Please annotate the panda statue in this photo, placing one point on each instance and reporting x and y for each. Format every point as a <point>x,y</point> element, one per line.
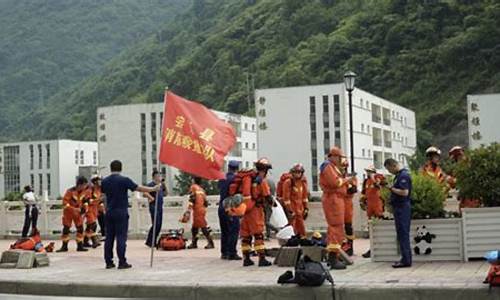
<point>423,241</point>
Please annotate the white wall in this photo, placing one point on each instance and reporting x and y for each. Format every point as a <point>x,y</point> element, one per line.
<point>488,109</point>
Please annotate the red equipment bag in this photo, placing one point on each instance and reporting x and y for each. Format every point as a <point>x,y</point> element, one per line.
<point>173,240</point>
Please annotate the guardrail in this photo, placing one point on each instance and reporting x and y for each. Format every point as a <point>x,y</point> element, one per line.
<point>49,220</point>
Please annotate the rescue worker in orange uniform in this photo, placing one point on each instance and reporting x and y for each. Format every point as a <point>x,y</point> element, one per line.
<point>370,196</point>
<point>295,199</point>
<point>334,187</point>
<point>198,205</point>
<point>255,191</point>
<point>352,189</point>
<point>432,168</point>
<point>91,212</point>
<point>457,154</point>
<point>32,243</point>
<point>73,212</point>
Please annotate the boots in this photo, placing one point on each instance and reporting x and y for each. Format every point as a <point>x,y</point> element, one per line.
<point>263,262</point>
<point>80,248</point>
<point>64,247</point>
<point>194,243</point>
<point>350,239</point>
<point>206,233</point>
<point>334,262</point>
<point>247,261</point>
<point>86,243</point>
<point>95,242</point>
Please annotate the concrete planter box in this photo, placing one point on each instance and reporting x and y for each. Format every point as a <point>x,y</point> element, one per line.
<point>481,231</point>
<point>447,246</point>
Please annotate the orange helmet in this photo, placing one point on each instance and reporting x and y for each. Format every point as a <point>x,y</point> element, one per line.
<point>263,164</point>
<point>336,151</point>
<point>456,151</point>
<point>298,167</point>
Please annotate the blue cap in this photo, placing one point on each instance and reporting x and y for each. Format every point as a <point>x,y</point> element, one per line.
<point>234,164</point>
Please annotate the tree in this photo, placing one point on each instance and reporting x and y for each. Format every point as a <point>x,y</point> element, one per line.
<point>183,182</point>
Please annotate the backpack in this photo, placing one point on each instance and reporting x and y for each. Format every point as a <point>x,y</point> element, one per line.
<point>493,277</point>
<point>235,186</point>
<point>311,273</point>
<point>281,182</point>
<point>173,240</point>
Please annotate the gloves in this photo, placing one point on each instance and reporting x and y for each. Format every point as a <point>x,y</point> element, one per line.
<point>306,213</point>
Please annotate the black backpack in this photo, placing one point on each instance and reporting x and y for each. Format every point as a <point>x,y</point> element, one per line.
<point>311,273</point>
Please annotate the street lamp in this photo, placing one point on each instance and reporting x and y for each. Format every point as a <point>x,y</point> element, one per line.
<point>349,79</point>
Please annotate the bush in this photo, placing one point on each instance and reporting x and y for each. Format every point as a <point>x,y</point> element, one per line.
<point>428,197</point>
<point>14,196</point>
<point>478,176</point>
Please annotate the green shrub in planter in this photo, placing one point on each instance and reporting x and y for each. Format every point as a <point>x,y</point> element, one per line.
<point>478,176</point>
<point>428,197</point>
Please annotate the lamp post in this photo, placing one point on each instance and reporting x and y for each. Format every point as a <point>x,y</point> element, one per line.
<point>349,79</point>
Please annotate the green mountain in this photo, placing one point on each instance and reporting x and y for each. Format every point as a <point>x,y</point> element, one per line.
<point>425,55</point>
<point>47,46</point>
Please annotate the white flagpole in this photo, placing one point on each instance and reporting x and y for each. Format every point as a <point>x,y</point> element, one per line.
<point>153,238</point>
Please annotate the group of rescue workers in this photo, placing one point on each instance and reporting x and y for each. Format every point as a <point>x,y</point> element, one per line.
<point>246,220</point>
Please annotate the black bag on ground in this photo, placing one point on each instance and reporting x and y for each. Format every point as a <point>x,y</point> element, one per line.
<point>311,273</point>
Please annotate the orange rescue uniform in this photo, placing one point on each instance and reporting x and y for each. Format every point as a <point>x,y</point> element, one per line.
<point>295,195</point>
<point>198,206</point>
<point>72,212</point>
<point>334,188</point>
<point>371,190</point>
<point>92,210</point>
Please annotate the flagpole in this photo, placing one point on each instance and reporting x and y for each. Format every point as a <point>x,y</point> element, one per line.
<point>153,238</point>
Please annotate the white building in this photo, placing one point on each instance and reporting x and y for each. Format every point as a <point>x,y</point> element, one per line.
<point>50,166</point>
<point>132,133</point>
<point>482,112</point>
<point>301,124</point>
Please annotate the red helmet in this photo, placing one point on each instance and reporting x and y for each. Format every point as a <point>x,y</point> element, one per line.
<point>263,164</point>
<point>336,151</point>
<point>297,168</point>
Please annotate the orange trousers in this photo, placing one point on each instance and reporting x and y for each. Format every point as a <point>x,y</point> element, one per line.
<point>71,215</point>
<point>299,226</point>
<point>252,227</point>
<point>374,207</point>
<point>199,218</point>
<point>333,208</point>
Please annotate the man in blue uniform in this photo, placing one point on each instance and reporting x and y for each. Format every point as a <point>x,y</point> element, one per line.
<point>116,188</point>
<point>229,226</point>
<point>401,203</point>
<point>152,198</point>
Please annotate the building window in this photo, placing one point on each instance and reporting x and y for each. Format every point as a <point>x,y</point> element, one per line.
<point>368,105</point>
<point>378,159</point>
<point>246,146</point>
<point>369,153</point>
<point>94,158</point>
<point>48,184</point>
<point>161,120</point>
<point>236,151</point>
<point>82,158</point>
<point>387,139</point>
<point>39,156</point>
<point>47,149</point>
<point>76,157</point>
<point>376,113</point>
<point>336,118</point>
<point>102,117</point>
<point>326,125</point>
<point>32,157</point>
<point>237,127</point>
<point>102,138</point>
<point>314,151</point>
<point>368,129</point>
<point>40,184</point>
<point>246,126</point>
<point>362,127</point>
<point>363,152</point>
<point>377,136</point>
<point>253,146</point>
<point>386,115</point>
<point>361,103</point>
<point>406,141</point>
<point>11,169</point>
<point>247,164</point>
<point>32,181</point>
<point>143,148</point>
<point>154,149</point>
<point>253,127</point>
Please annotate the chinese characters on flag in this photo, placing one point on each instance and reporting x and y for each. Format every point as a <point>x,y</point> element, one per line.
<point>194,139</point>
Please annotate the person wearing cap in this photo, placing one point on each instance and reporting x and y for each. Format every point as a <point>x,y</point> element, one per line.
<point>73,211</point>
<point>401,204</point>
<point>91,211</point>
<point>295,199</point>
<point>255,192</point>
<point>229,225</point>
<point>334,187</point>
<point>370,196</point>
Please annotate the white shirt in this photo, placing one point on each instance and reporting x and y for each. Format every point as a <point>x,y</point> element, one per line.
<point>29,198</point>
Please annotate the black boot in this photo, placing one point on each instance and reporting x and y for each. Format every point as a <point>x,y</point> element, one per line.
<point>86,243</point>
<point>64,247</point>
<point>334,262</point>
<point>194,243</point>
<point>208,236</point>
<point>247,261</point>
<point>95,242</point>
<point>263,262</point>
<point>350,239</point>
<point>80,248</point>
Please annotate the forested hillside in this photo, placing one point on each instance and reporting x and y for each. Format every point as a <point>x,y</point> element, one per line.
<point>426,55</point>
<point>49,45</point>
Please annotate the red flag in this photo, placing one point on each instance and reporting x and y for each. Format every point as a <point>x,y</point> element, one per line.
<point>194,139</point>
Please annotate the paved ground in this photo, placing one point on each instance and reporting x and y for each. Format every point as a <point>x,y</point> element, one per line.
<point>200,274</point>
